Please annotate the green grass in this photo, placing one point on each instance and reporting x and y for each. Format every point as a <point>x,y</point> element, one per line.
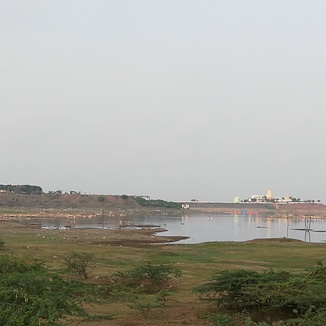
<point>263,254</point>
<point>285,255</point>
<point>266,254</point>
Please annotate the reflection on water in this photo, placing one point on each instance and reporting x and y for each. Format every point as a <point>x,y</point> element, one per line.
<point>204,228</point>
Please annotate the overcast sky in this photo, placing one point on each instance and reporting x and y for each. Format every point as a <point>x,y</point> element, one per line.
<point>175,99</point>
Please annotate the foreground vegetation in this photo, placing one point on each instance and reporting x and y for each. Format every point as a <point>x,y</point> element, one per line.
<point>31,294</point>
<point>278,297</point>
<point>55,277</point>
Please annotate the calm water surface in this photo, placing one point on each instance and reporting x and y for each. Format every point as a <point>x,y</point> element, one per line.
<point>204,228</point>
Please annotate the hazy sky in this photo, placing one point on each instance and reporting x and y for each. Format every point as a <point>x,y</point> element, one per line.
<point>176,99</point>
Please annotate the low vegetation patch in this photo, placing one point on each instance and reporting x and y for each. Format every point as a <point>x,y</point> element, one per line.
<point>156,203</point>
<point>146,303</point>
<point>148,277</point>
<point>31,294</point>
<point>273,297</point>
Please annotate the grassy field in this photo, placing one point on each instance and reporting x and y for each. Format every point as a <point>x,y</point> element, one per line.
<point>123,250</point>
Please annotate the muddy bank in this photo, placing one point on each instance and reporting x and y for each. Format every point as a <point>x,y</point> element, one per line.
<point>126,237</point>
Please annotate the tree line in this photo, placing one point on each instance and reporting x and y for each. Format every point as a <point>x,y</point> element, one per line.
<point>21,189</point>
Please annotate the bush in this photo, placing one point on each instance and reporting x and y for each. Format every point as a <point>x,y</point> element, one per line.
<point>101,199</point>
<point>219,319</point>
<point>146,278</point>
<point>145,304</point>
<point>32,295</point>
<point>230,288</point>
<point>2,244</point>
<point>278,295</point>
<point>14,264</point>
<point>155,273</point>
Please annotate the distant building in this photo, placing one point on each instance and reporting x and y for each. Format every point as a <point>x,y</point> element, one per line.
<point>257,197</point>
<point>268,198</point>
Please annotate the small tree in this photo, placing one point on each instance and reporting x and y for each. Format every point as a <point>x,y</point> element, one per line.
<point>81,263</point>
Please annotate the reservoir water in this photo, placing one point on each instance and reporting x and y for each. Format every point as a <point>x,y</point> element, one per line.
<point>207,228</point>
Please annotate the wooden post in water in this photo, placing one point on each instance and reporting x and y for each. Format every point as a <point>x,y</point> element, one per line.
<point>287,225</point>
<point>307,224</point>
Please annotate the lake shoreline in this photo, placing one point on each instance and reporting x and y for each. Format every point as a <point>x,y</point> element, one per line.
<point>289,211</point>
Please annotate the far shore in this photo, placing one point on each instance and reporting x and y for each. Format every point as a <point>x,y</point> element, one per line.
<point>19,206</point>
<point>5,216</point>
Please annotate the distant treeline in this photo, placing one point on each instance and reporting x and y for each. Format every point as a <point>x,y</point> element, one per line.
<point>22,189</point>
<point>156,203</point>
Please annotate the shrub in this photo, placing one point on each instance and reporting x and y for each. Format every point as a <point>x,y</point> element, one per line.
<point>13,264</point>
<point>2,244</point>
<point>147,278</point>
<point>230,288</point>
<point>155,273</point>
<point>101,199</point>
<point>279,295</point>
<point>219,319</point>
<point>32,295</point>
<point>145,304</point>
